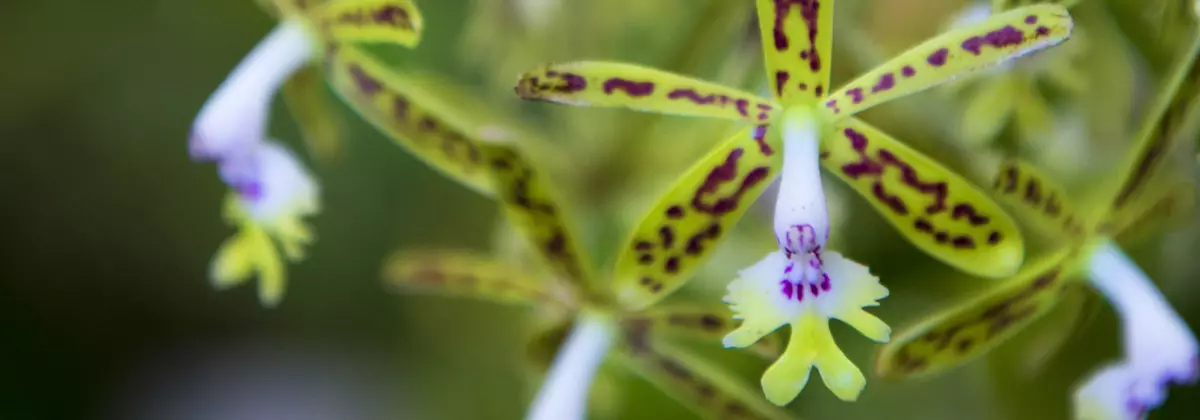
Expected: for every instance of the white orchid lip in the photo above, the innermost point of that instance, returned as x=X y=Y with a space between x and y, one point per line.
x=279 y=187
x=1160 y=349
x=234 y=118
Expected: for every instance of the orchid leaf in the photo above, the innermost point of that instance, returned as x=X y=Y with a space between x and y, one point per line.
x=606 y=84
x=683 y=229
x=310 y=105
x=1172 y=117
x=420 y=123
x=1001 y=37
x=534 y=208
x=797 y=43
x=934 y=208
x=370 y=21
x=464 y=274
x=1038 y=199
x=964 y=332
x=706 y=389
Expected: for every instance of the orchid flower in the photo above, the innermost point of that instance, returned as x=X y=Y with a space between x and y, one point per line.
x=804 y=284
x=564 y=287
x=315 y=41
x=1160 y=350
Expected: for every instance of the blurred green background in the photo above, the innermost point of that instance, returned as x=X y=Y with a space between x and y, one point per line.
x=107 y=313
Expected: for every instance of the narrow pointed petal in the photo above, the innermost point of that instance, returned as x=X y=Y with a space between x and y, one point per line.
x=700 y=385
x=532 y=205
x=1001 y=37
x=1173 y=117
x=250 y=252
x=708 y=323
x=1038 y=200
x=463 y=274
x=690 y=221
x=606 y=84
x=311 y=108
x=233 y=264
x=987 y=111
x=797 y=42
x=417 y=122
x=370 y=21
x=934 y=208
x=838 y=373
x=965 y=332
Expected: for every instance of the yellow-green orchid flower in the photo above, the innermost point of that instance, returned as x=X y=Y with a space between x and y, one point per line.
x=1159 y=348
x=315 y=41
x=563 y=286
x=1013 y=92
x=937 y=210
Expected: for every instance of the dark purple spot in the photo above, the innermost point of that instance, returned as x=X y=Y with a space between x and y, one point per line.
x=938 y=58
x=781 y=79
x=760 y=137
x=942 y=237
x=675 y=212
x=643 y=246
x=966 y=210
x=691 y=95
x=742 y=106
x=887 y=81
x=963 y=242
x=657 y=287
x=808 y=12
x=646 y=259
x=666 y=236
x=725 y=173
x=646 y=281
x=393 y=15
x=812 y=287
x=994 y=238
x=366 y=84
x=1000 y=38
x=1043 y=31
x=819 y=91
x=908 y=71
x=923 y=225
x=803 y=86
x=672 y=265
x=856 y=95
x=1033 y=192
x=632 y=88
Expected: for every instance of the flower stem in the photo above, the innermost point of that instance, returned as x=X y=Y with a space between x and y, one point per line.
x=564 y=393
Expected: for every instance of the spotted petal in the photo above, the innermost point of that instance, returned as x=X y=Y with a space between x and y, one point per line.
x=706 y=389
x=310 y=106
x=416 y=121
x=1038 y=199
x=370 y=21
x=1173 y=117
x=1001 y=37
x=934 y=208
x=683 y=229
x=708 y=323
x=464 y=274
x=534 y=208
x=797 y=42
x=960 y=334
x=605 y=84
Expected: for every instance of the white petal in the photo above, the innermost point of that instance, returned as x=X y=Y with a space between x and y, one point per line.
x=1160 y=349
x=1104 y=396
x=234 y=118
x=281 y=187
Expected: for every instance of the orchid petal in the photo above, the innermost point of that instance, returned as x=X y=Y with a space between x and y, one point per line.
x=964 y=332
x=797 y=43
x=701 y=386
x=532 y=205
x=1038 y=199
x=464 y=274
x=605 y=84
x=1001 y=37
x=934 y=208
x=418 y=122
x=370 y=21
x=690 y=220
